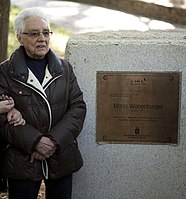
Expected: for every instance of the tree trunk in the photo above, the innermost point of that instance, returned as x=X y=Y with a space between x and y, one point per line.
x=175 y=14
x=4 y=27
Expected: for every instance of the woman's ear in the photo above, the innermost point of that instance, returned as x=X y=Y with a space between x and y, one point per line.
x=19 y=38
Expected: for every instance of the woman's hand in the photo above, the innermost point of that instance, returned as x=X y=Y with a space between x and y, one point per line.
x=36 y=156
x=44 y=149
x=6 y=105
x=14 y=117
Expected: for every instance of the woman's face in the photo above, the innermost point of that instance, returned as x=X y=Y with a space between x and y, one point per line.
x=35 y=38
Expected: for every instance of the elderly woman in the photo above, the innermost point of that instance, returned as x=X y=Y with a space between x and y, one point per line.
x=46 y=92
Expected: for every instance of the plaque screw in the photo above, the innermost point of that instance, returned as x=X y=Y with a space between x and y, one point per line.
x=171 y=78
x=105 y=77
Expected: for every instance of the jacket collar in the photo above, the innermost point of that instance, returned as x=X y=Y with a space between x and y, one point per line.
x=19 y=70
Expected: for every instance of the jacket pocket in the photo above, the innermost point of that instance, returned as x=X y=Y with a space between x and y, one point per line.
x=21 y=97
x=71 y=158
x=77 y=156
x=65 y=161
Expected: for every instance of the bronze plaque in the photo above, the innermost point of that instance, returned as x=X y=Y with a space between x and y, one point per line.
x=138 y=107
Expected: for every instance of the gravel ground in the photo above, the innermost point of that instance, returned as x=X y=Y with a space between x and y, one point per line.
x=41 y=194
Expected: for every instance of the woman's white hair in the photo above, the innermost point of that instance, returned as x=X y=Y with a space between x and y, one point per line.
x=24 y=14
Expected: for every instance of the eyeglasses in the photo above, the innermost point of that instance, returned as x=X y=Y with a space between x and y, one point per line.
x=35 y=34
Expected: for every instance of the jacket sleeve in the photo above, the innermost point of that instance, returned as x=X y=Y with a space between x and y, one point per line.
x=3 y=118
x=70 y=126
x=21 y=137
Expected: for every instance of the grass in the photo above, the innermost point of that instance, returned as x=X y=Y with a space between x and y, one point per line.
x=58 y=39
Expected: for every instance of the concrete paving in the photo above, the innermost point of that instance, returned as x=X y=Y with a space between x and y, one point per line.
x=81 y=18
